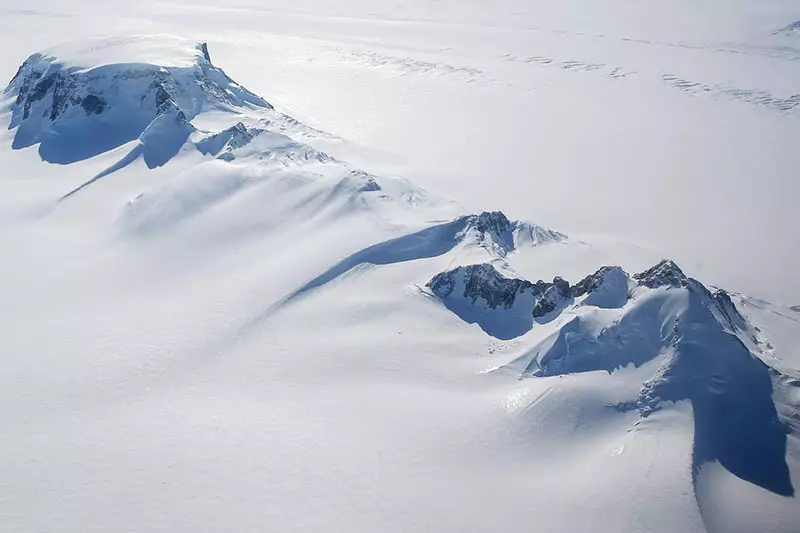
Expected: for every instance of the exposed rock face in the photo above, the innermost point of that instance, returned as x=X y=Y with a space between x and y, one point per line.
x=665 y=273
x=489 y=223
x=493 y=231
x=553 y=297
x=223 y=144
x=729 y=313
x=490 y=230
x=481 y=281
x=610 y=288
x=592 y=281
x=41 y=79
x=52 y=98
x=485 y=282
x=93 y=104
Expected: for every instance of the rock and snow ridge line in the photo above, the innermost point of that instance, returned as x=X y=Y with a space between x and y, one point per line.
x=74 y=112
x=665 y=315
x=610 y=320
x=608 y=288
x=78 y=101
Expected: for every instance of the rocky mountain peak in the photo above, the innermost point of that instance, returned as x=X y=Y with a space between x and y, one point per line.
x=493 y=231
x=480 y=281
x=593 y=281
x=60 y=102
x=664 y=273
x=494 y=222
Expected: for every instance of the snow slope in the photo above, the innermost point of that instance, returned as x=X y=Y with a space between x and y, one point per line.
x=218 y=323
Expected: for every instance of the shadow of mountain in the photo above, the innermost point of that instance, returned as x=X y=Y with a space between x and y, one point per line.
x=77 y=140
x=158 y=144
x=735 y=419
x=503 y=324
x=424 y=244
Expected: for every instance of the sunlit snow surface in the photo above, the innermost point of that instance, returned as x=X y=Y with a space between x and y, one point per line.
x=219 y=321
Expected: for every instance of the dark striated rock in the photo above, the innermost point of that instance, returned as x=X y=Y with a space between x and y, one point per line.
x=490 y=222
x=93 y=104
x=664 y=273
x=592 y=281
x=60 y=97
x=490 y=229
x=561 y=286
x=241 y=135
x=204 y=51
x=482 y=281
x=553 y=296
x=38 y=92
x=163 y=98
x=728 y=310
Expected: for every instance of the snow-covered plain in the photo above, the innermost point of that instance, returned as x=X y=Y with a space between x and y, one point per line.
x=287 y=305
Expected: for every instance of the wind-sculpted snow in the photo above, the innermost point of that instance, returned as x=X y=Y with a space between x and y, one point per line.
x=75 y=111
x=608 y=288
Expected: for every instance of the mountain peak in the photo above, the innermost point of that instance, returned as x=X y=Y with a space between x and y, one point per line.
x=76 y=102
x=490 y=222
x=666 y=272
x=493 y=231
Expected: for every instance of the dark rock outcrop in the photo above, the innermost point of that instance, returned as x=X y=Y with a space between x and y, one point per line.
x=482 y=281
x=485 y=282
x=93 y=104
x=554 y=296
x=665 y=273
x=592 y=281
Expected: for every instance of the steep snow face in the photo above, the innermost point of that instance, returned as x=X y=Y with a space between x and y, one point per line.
x=609 y=287
x=75 y=110
x=611 y=320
